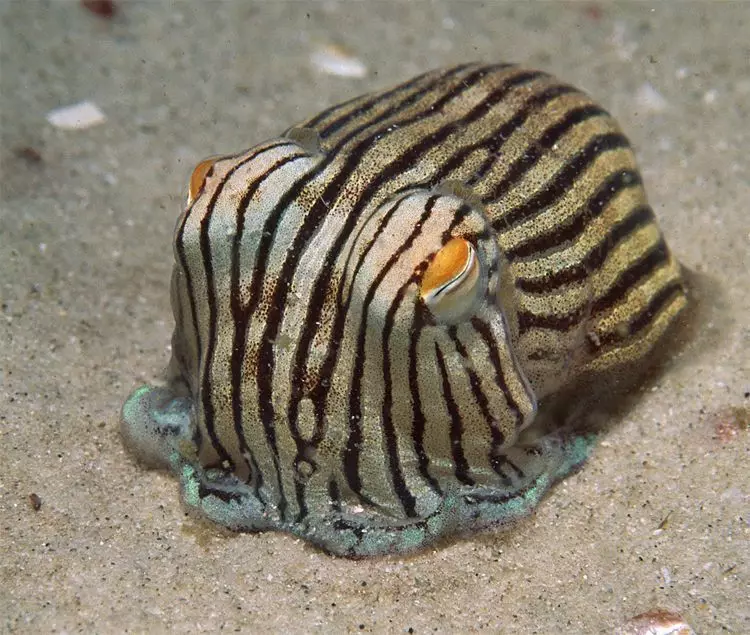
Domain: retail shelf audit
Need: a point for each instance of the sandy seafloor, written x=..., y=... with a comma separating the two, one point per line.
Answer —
x=85, y=260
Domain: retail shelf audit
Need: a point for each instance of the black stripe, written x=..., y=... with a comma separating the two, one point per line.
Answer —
x=352, y=450
x=296, y=387
x=626, y=280
x=408, y=502
x=208, y=406
x=636, y=219
x=318, y=392
x=495, y=138
x=481, y=400
x=388, y=116
x=334, y=495
x=528, y=320
x=210, y=292
x=499, y=462
x=539, y=147
x=461, y=466
x=179, y=244
x=532, y=154
x=563, y=180
x=418, y=418
x=316, y=120
x=179, y=347
x=657, y=256
x=518, y=470
x=205, y=249
x=370, y=244
x=299, y=493
x=655, y=305
x=574, y=226
x=384, y=97
x=241, y=317
x=645, y=316
x=486, y=334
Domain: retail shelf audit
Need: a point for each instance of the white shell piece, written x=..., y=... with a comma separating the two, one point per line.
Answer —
x=335, y=60
x=78, y=116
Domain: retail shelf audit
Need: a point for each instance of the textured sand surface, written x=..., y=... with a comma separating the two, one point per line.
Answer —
x=659, y=517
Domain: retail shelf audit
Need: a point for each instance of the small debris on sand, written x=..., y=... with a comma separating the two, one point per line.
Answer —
x=333, y=59
x=77, y=116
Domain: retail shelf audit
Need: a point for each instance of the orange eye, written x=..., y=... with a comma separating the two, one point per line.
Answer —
x=198, y=177
x=449, y=266
x=449, y=286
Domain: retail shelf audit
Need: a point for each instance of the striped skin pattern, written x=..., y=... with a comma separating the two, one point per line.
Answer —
x=392, y=320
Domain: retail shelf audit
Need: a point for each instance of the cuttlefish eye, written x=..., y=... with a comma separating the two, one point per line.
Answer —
x=198, y=178
x=450, y=284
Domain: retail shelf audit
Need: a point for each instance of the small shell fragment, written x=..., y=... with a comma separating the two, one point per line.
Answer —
x=78, y=116
x=650, y=99
x=336, y=60
x=656, y=622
